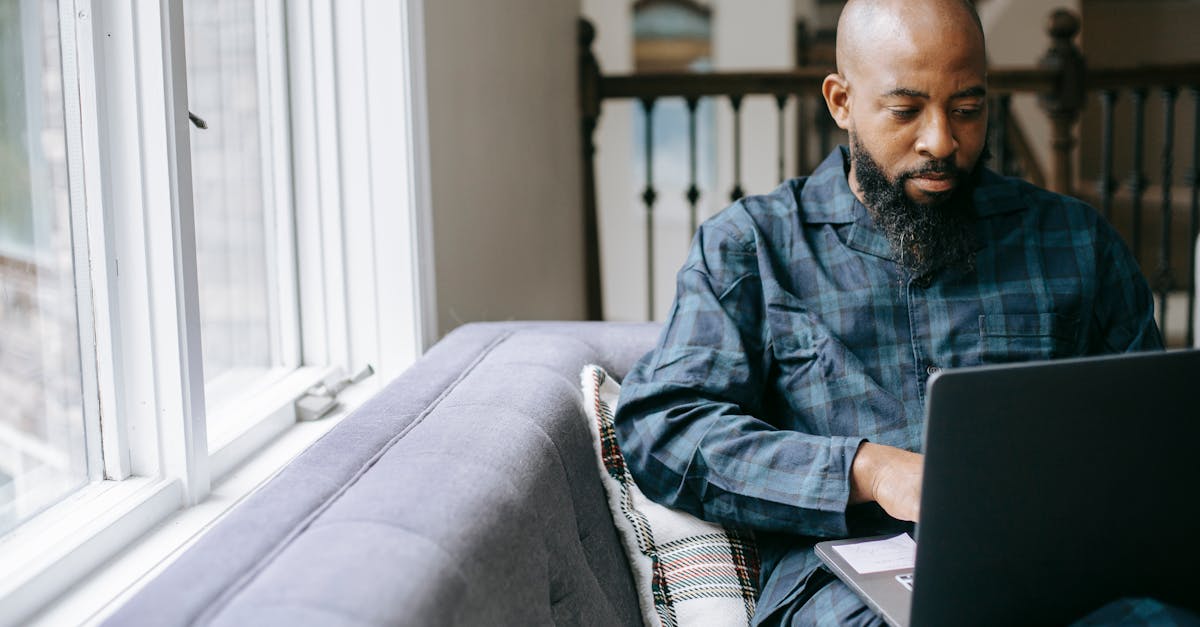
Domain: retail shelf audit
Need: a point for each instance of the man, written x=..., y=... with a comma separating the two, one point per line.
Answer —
x=786, y=393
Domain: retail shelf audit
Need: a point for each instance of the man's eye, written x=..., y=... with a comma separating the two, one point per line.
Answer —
x=903, y=113
x=968, y=113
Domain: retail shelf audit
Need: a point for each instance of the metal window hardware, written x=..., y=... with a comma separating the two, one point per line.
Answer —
x=197, y=120
x=321, y=399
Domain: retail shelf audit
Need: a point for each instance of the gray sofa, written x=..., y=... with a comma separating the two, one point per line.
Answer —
x=465, y=493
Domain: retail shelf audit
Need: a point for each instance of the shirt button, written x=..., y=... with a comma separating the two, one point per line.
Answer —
x=932, y=370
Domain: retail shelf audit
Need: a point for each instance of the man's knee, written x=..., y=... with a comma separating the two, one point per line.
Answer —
x=833, y=604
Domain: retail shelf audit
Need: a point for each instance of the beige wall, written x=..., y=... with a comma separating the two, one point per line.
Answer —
x=505, y=160
x=1133, y=32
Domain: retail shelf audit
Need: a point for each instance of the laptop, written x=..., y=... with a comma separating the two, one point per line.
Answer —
x=1049, y=490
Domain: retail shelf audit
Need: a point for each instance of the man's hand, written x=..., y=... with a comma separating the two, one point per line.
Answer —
x=889, y=476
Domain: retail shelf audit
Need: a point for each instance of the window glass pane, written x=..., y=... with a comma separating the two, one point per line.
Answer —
x=42, y=454
x=236, y=227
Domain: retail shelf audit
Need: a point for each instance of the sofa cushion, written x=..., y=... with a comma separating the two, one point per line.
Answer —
x=687, y=571
x=464, y=493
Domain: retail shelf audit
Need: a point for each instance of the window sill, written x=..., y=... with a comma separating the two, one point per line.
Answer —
x=241, y=431
x=62, y=543
x=105, y=589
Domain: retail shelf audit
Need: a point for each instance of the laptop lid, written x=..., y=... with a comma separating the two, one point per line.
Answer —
x=1053, y=488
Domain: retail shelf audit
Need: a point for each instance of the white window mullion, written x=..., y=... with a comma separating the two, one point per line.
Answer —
x=354, y=136
x=276, y=154
x=171, y=245
x=306, y=183
x=421, y=301
x=330, y=172
x=419, y=199
x=107, y=449
x=401, y=240
x=111, y=131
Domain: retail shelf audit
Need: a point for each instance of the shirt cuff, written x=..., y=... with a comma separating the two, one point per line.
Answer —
x=842, y=453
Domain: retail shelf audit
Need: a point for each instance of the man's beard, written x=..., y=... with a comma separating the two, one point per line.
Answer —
x=924, y=237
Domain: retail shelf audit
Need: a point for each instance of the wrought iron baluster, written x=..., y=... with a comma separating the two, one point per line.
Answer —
x=781, y=103
x=589, y=109
x=1164, y=279
x=1194, y=232
x=693, y=192
x=1107, y=184
x=1137, y=177
x=736, y=101
x=802, y=121
x=648, y=197
x=1002, y=160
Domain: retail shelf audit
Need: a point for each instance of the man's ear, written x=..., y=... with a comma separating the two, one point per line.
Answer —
x=837, y=97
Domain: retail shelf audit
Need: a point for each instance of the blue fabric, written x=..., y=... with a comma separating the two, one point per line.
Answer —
x=833, y=605
x=1139, y=611
x=795, y=335
x=836, y=605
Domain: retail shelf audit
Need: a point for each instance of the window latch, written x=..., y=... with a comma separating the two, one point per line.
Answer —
x=321, y=399
x=197, y=120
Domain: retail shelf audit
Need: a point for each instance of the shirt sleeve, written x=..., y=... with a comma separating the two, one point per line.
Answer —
x=1124, y=313
x=691, y=420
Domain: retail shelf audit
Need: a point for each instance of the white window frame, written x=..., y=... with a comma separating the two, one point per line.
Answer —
x=264, y=410
x=359, y=151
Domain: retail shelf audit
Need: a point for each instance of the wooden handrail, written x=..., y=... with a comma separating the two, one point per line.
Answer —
x=805, y=80
x=1165, y=75
x=640, y=86
x=1001, y=80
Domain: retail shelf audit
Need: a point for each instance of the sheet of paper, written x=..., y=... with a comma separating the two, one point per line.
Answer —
x=880, y=555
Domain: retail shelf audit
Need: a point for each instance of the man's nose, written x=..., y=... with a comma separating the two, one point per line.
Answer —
x=936, y=139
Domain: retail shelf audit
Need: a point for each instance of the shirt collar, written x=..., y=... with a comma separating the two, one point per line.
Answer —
x=826, y=196
x=995, y=196
x=826, y=199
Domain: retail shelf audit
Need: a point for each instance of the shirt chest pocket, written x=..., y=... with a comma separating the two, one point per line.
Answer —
x=1026, y=337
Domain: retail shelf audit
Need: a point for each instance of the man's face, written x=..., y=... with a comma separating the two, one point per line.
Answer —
x=915, y=99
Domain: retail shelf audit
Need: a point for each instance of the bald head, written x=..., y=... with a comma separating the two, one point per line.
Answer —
x=866, y=26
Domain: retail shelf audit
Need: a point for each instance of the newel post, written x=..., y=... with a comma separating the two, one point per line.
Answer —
x=589, y=114
x=1064, y=104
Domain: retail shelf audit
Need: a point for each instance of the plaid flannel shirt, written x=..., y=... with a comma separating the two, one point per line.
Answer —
x=795, y=336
